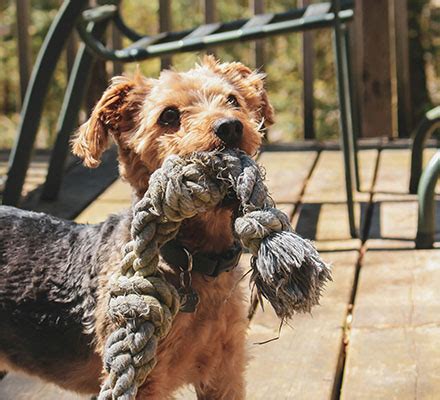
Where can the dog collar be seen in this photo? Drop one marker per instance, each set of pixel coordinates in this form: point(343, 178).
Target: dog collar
point(209, 264)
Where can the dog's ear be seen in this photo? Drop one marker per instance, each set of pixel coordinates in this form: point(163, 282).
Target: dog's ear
point(114, 114)
point(251, 85)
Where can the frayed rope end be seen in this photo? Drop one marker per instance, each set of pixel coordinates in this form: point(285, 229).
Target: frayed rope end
point(289, 273)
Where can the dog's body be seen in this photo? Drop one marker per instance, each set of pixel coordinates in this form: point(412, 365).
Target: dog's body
point(54, 274)
point(50, 274)
point(48, 292)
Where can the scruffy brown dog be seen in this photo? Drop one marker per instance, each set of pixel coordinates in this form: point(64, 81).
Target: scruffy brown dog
point(211, 106)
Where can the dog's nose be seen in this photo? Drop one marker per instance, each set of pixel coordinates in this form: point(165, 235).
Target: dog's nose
point(229, 130)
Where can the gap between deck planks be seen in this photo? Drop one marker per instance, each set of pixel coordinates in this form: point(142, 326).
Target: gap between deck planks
point(393, 352)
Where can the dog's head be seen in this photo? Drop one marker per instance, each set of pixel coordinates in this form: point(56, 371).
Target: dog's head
point(211, 106)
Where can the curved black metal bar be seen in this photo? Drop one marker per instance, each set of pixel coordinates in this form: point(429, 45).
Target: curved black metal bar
point(178, 42)
point(32, 109)
point(124, 29)
point(427, 204)
point(429, 123)
point(68, 118)
point(227, 26)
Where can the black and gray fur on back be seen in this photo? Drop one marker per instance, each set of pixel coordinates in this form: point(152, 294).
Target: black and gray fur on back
point(48, 281)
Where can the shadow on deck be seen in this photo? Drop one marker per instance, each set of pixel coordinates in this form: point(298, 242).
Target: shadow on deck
point(376, 333)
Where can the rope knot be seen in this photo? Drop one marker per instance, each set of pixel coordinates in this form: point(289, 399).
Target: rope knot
point(286, 269)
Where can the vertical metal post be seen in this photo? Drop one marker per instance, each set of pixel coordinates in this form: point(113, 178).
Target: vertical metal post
point(427, 126)
point(24, 53)
point(165, 26)
point(308, 81)
point(351, 107)
point(426, 193)
point(343, 92)
point(116, 44)
point(257, 7)
point(210, 17)
point(210, 11)
point(71, 49)
point(404, 111)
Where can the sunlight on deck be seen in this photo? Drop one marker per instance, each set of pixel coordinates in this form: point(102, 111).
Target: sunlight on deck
point(386, 345)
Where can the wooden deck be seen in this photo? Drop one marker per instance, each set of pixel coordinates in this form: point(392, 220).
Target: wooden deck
point(37, 170)
point(377, 333)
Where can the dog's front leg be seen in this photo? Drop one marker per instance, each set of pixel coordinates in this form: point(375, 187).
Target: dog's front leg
point(227, 381)
point(224, 389)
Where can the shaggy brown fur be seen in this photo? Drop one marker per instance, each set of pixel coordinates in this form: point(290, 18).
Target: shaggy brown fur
point(206, 348)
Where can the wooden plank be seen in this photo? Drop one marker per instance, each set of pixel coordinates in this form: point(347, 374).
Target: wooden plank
point(286, 173)
point(115, 199)
point(303, 362)
point(374, 67)
point(327, 184)
point(394, 217)
point(389, 229)
point(165, 25)
point(394, 224)
point(257, 7)
point(100, 209)
point(16, 386)
point(323, 214)
point(394, 172)
point(71, 49)
point(404, 111)
point(210, 11)
point(327, 225)
point(79, 188)
point(305, 359)
point(34, 177)
point(118, 67)
point(210, 17)
point(393, 351)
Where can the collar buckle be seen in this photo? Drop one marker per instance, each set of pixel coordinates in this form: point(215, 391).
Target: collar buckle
point(189, 299)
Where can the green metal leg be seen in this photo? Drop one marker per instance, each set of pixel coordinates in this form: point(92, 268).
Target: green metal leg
point(345, 116)
point(426, 128)
point(30, 116)
point(426, 193)
point(68, 118)
point(352, 110)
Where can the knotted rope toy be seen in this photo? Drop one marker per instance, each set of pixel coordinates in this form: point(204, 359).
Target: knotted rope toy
point(286, 269)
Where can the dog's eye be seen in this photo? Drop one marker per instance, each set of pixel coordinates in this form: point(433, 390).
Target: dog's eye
point(232, 100)
point(170, 117)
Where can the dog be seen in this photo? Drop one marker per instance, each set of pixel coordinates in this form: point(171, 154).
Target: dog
point(54, 274)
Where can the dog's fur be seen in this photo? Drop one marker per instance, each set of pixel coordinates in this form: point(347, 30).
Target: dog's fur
point(54, 274)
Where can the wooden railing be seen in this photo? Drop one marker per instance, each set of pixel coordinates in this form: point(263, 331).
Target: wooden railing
point(397, 77)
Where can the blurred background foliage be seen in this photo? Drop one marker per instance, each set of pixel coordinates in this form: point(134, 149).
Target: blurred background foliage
point(283, 67)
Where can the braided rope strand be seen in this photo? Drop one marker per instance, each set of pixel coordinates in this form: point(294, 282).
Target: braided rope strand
point(287, 269)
